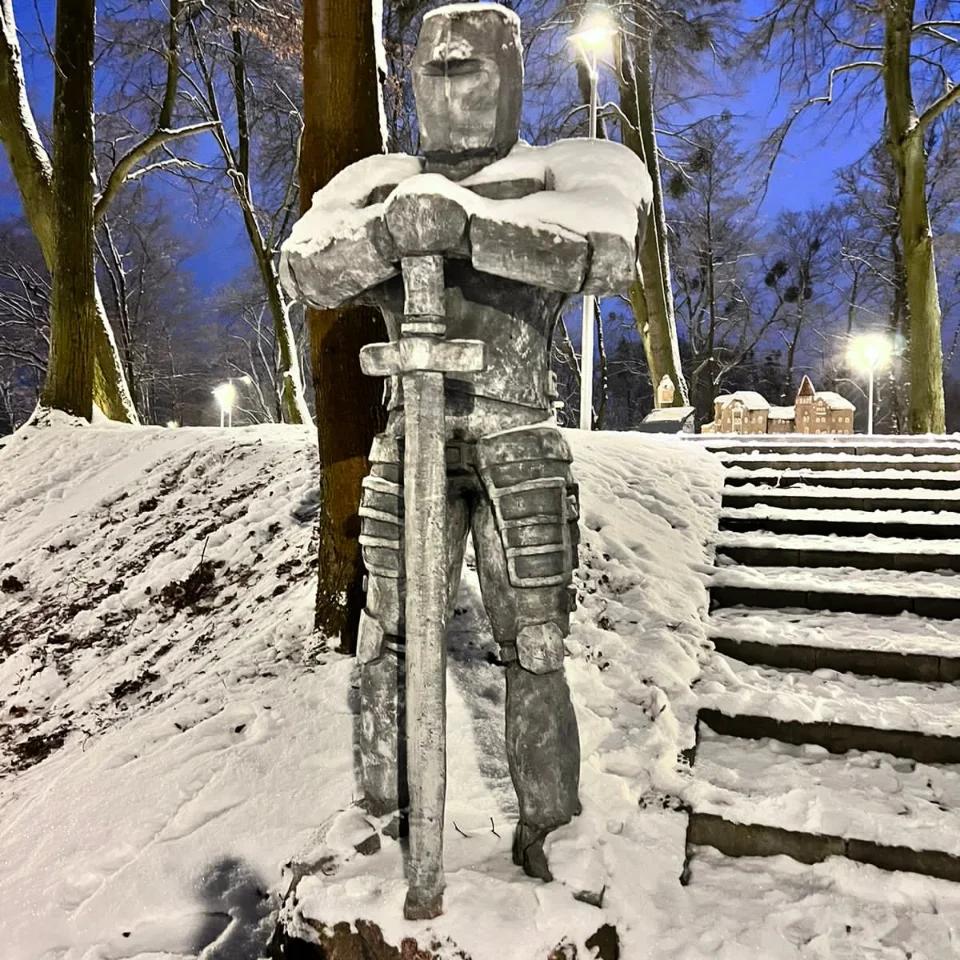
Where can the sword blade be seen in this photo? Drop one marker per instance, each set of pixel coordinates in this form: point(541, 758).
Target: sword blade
point(425, 548)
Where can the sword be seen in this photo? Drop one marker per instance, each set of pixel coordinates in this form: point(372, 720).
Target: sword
point(420, 358)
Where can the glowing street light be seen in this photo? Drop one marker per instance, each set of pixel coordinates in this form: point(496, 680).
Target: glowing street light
point(596, 32)
point(226, 395)
point(868, 352)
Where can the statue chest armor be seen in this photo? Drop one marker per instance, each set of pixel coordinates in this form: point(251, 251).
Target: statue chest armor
point(516, 322)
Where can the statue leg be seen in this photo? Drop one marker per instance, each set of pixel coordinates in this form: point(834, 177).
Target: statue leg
point(525, 535)
point(380, 643)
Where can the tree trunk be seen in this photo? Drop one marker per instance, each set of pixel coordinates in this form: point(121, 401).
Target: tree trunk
point(599, 421)
point(69, 383)
point(341, 125)
point(905, 141)
point(290, 380)
point(651, 298)
point(33, 173)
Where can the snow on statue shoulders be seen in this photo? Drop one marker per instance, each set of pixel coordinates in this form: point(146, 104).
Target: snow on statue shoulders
point(579, 203)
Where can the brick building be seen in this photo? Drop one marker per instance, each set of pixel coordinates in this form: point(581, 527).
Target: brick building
point(814, 411)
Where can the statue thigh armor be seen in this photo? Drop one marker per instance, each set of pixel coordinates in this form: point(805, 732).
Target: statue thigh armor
point(518, 498)
point(525, 535)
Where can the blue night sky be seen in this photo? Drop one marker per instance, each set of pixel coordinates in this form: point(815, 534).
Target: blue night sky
point(803, 176)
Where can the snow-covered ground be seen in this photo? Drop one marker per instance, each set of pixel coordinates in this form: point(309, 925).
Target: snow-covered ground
point(173, 731)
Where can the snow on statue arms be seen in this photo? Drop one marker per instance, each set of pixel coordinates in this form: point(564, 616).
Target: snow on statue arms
point(564, 217)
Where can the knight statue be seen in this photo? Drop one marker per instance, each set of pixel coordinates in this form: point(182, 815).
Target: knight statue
point(470, 251)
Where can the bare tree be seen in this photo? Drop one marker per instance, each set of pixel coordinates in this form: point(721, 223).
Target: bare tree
point(231, 63)
point(51, 190)
point(885, 50)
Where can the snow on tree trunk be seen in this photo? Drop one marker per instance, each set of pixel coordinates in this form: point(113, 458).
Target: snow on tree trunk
point(341, 125)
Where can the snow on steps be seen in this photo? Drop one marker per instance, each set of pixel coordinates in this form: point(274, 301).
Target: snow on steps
point(753, 795)
point(906, 647)
point(869, 463)
point(886, 592)
point(878, 501)
point(763, 548)
point(847, 478)
point(836, 910)
point(825, 697)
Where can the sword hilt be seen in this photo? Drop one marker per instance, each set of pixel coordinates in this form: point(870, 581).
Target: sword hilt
point(422, 347)
point(424, 312)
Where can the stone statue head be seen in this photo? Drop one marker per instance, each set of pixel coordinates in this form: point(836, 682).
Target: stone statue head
point(468, 84)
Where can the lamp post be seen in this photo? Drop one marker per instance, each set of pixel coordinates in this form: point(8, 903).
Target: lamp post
point(226, 395)
point(868, 352)
point(596, 31)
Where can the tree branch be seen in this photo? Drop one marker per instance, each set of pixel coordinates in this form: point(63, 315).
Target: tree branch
point(937, 108)
point(141, 151)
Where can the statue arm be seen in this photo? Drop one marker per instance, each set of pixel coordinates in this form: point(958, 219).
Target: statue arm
point(581, 233)
point(341, 247)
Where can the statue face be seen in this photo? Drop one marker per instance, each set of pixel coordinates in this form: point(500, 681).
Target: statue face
point(468, 83)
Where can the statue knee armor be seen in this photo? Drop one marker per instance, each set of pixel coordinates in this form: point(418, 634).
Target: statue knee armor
point(527, 476)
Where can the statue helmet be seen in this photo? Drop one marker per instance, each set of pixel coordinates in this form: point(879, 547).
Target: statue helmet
point(468, 83)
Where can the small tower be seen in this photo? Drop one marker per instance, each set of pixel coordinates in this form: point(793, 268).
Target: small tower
point(804, 406)
point(665, 391)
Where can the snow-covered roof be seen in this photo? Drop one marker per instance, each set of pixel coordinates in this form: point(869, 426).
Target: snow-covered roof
point(668, 413)
point(783, 413)
point(833, 400)
point(749, 398)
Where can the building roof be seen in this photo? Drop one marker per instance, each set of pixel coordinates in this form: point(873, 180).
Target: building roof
point(806, 387)
point(749, 398)
point(668, 414)
point(834, 401)
point(783, 413)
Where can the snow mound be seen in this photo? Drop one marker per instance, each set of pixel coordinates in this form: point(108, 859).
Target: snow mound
point(174, 732)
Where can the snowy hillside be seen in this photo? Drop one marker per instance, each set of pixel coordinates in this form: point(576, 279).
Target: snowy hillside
point(173, 731)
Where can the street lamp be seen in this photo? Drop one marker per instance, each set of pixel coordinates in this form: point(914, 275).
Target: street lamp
point(868, 352)
point(226, 395)
point(596, 31)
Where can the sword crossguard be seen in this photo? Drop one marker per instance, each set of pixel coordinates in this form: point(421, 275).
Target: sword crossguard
point(420, 354)
point(421, 347)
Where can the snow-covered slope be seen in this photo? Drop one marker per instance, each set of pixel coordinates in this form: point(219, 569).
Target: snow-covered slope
point(173, 731)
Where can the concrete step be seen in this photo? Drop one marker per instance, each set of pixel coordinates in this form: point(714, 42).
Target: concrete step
point(881, 449)
point(906, 647)
point(941, 608)
point(861, 500)
point(800, 551)
point(814, 525)
point(845, 479)
point(764, 797)
point(838, 711)
point(815, 463)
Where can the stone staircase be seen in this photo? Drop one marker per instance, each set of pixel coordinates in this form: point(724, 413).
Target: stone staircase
point(830, 720)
